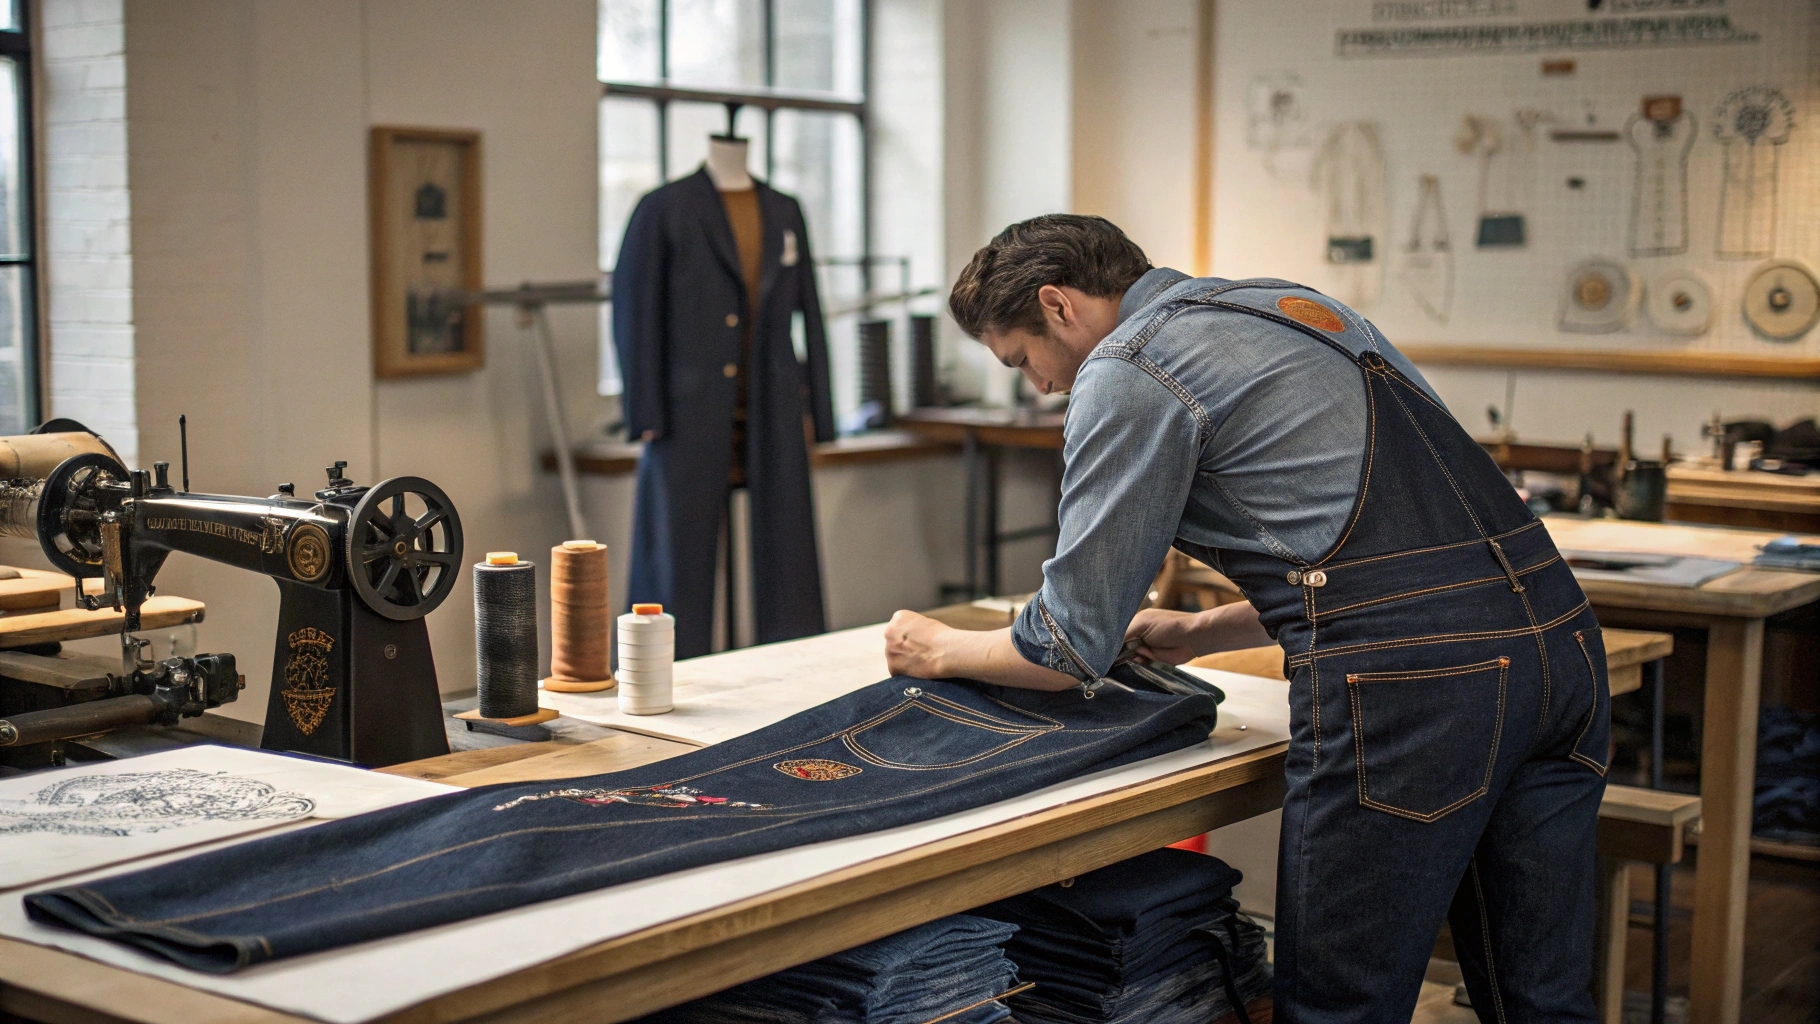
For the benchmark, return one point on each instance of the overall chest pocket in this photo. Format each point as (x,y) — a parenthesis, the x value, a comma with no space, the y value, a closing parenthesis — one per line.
(927,732)
(1426,741)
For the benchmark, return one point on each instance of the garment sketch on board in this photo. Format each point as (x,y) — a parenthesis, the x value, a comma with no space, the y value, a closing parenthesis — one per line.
(1349,173)
(1752,124)
(1507,159)
(1426,267)
(1277,125)
(1661,136)
(141,803)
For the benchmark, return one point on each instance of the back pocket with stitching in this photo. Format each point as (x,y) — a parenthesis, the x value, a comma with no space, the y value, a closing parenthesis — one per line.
(1426,741)
(1593,744)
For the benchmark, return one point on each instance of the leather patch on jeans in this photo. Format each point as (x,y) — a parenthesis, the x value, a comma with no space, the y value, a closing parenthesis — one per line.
(1310,312)
(817,770)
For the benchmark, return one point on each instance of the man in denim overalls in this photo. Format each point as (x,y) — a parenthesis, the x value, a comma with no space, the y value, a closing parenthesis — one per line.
(1447,679)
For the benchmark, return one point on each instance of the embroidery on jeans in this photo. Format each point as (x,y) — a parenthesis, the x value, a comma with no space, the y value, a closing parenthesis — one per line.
(141,803)
(817,770)
(674,797)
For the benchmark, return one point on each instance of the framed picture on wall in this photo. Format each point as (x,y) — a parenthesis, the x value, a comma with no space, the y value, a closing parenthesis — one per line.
(424,195)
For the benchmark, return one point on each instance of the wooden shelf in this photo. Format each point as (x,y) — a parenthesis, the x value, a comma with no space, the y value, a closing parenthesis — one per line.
(1696,364)
(607,459)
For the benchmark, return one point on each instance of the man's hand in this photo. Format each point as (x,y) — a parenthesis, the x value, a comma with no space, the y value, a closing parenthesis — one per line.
(915,645)
(1166,636)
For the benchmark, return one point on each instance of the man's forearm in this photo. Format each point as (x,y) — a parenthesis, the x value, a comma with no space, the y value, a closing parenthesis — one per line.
(990,657)
(1229,627)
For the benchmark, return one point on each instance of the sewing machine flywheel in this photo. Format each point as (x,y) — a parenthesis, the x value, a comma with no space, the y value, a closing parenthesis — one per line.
(404,547)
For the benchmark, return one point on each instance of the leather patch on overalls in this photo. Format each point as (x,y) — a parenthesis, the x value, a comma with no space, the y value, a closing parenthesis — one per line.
(1310,312)
(817,770)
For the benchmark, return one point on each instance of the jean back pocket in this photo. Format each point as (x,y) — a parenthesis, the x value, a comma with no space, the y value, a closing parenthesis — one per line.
(1592,745)
(1426,741)
(926,732)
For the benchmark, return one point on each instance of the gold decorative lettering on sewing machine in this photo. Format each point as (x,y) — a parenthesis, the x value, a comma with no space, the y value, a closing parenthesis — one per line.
(307,693)
(256,538)
(817,769)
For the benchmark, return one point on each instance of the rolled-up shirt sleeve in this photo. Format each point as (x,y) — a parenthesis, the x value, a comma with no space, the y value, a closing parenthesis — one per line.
(1131,446)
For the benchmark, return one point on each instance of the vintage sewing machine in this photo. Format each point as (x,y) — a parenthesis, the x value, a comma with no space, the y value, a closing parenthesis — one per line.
(357,570)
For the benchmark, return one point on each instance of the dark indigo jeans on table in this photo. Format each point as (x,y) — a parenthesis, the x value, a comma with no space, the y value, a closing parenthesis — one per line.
(893,753)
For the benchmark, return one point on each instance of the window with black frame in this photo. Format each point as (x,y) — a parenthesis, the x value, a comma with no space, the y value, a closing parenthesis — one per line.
(18,268)
(795,73)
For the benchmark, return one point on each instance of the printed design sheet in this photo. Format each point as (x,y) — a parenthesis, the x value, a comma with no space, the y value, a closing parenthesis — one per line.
(363,982)
(93,815)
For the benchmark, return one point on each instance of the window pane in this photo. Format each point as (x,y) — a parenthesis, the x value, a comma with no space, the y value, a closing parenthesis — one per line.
(12,196)
(9,15)
(628,166)
(692,123)
(818,160)
(16,383)
(629,40)
(628,169)
(718,43)
(818,46)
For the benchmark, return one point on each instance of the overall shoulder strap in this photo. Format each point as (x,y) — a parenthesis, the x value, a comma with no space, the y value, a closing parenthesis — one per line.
(1297,307)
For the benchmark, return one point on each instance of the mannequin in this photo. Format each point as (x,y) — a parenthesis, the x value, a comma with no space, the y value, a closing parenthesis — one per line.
(726,163)
(713,275)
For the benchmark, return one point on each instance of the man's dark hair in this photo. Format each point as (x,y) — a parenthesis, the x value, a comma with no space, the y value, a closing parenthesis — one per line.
(997,291)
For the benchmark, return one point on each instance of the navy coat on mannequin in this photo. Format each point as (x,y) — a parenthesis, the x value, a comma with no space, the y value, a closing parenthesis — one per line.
(678,303)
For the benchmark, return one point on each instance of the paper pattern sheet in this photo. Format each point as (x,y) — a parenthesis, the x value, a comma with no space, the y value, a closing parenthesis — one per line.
(90,816)
(362,982)
(721,696)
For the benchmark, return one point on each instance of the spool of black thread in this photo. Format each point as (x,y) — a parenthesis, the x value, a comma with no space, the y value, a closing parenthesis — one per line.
(505,636)
(922,360)
(875,367)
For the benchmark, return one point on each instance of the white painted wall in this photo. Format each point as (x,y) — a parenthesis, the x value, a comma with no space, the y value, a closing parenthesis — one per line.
(88,255)
(1134,120)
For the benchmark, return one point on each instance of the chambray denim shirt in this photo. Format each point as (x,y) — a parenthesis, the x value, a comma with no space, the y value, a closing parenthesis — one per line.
(1224,430)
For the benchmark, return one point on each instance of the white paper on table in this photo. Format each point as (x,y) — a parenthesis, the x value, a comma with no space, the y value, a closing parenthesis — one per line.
(90,816)
(359,983)
(720,696)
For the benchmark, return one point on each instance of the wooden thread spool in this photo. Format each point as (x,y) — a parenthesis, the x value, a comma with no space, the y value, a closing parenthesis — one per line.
(580,622)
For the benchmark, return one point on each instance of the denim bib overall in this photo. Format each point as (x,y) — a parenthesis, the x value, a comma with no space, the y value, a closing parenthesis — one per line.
(1448,706)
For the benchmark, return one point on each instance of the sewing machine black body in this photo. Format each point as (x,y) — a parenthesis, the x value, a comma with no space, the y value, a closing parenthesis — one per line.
(357,570)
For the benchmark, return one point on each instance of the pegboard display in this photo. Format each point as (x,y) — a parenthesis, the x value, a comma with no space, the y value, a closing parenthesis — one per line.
(1580,176)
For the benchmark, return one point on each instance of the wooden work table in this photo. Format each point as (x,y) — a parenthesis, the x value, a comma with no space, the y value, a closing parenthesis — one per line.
(1731,609)
(684,959)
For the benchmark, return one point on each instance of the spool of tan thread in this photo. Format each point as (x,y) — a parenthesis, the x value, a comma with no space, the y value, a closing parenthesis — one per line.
(580,622)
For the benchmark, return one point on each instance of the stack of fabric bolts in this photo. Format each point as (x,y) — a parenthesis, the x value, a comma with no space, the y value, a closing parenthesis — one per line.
(1157,938)
(949,969)
(647,656)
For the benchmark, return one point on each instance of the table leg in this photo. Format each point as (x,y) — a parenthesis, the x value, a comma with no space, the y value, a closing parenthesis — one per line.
(1658,945)
(1614,931)
(992,537)
(1728,769)
(970,458)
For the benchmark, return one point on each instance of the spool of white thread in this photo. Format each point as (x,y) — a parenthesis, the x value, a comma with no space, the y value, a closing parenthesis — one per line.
(646,639)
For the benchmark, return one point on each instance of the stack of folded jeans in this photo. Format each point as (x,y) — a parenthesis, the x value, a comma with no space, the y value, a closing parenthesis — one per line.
(951,968)
(1788,776)
(1157,939)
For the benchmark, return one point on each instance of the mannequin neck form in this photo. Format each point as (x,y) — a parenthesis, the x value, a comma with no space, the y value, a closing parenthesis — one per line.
(726,164)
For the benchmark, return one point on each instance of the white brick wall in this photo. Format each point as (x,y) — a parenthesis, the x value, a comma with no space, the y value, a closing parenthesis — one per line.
(87,249)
